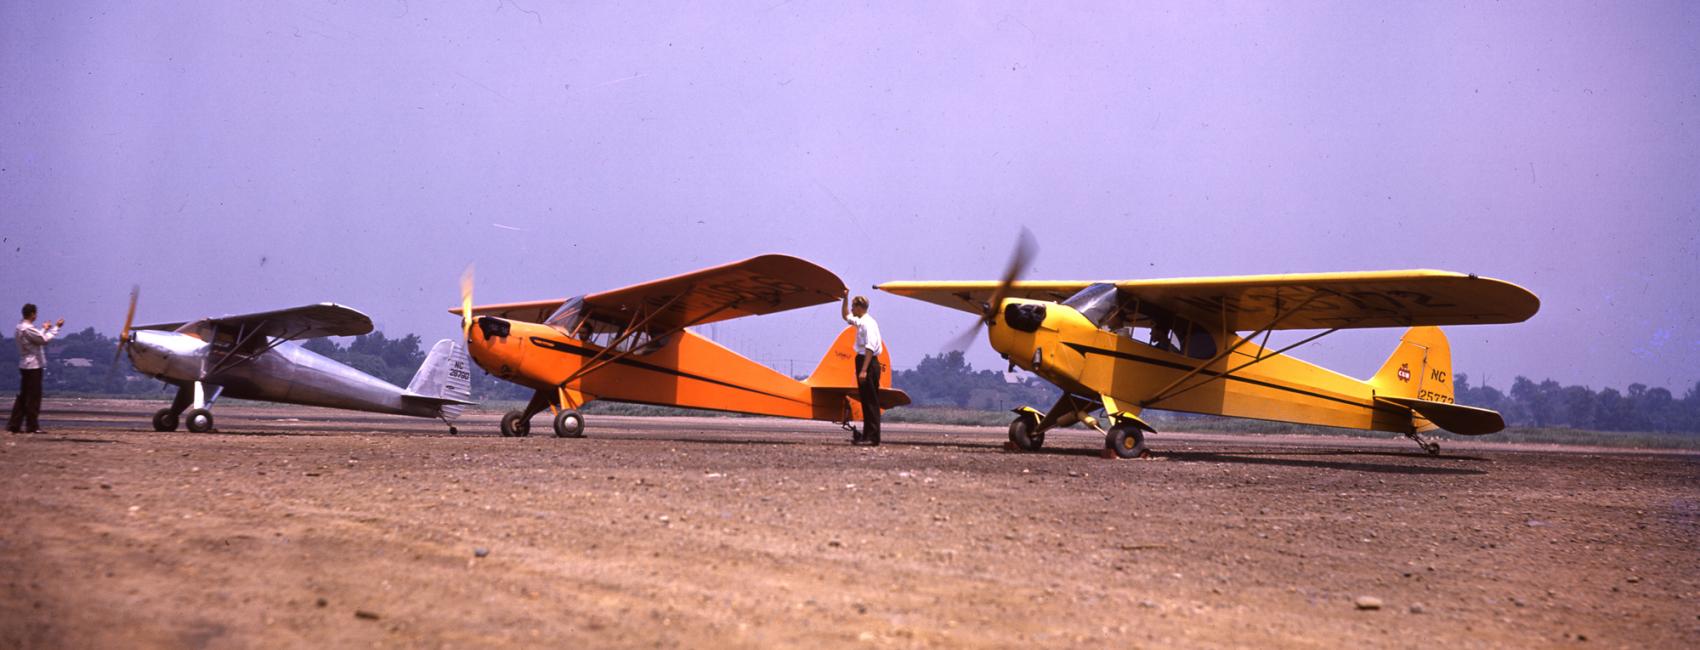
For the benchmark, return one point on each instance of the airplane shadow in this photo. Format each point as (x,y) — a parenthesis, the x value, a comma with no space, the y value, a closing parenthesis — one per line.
(1255,458)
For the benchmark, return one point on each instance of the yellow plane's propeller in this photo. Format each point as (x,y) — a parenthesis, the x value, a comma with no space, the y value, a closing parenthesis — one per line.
(1019,259)
(466,302)
(124,334)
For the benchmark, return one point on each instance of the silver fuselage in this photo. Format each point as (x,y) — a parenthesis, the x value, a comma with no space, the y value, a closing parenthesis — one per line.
(287,373)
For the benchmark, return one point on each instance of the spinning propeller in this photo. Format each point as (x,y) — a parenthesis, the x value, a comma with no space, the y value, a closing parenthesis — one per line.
(124,334)
(466,302)
(1019,259)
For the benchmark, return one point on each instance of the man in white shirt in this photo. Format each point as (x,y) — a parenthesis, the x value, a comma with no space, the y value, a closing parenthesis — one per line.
(32,357)
(868,347)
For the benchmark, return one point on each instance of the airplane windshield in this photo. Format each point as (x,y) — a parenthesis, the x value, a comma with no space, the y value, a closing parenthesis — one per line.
(568,317)
(1099,303)
(573,320)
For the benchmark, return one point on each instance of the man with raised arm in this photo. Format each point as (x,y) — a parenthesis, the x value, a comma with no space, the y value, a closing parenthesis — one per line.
(868,347)
(32,358)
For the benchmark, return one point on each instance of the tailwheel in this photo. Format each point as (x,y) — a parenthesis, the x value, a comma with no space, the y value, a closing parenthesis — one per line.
(199,420)
(515,424)
(164,420)
(1430,446)
(1023,432)
(569,424)
(1126,441)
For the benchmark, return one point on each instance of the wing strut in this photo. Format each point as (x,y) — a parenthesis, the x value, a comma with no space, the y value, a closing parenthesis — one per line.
(1169,390)
(609,354)
(244,335)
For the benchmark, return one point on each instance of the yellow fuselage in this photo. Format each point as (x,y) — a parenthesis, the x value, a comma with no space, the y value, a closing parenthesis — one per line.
(1070,351)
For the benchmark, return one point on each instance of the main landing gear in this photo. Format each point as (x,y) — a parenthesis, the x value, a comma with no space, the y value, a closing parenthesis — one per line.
(568,423)
(1124,439)
(198,419)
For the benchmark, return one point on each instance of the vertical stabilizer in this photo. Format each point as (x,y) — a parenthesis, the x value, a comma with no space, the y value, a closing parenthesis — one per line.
(1420,368)
(446,375)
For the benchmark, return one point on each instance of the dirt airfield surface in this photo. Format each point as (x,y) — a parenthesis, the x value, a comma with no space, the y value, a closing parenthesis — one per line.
(296,527)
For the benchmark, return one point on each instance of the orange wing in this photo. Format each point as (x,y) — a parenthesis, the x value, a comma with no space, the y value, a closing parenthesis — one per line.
(760,285)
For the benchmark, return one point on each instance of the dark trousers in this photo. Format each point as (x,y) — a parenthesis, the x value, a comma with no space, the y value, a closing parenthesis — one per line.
(869,390)
(27,407)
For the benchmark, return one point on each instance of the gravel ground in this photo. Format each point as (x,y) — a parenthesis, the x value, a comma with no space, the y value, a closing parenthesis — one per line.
(296,527)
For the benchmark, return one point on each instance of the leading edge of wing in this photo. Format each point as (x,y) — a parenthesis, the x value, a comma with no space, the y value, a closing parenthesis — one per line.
(967,295)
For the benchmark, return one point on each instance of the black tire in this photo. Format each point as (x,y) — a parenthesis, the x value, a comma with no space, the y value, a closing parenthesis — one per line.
(198,420)
(569,424)
(1021,433)
(515,425)
(453,431)
(164,420)
(1126,441)
(1433,448)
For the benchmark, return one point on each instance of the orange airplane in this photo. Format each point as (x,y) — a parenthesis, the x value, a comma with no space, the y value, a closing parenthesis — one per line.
(634,345)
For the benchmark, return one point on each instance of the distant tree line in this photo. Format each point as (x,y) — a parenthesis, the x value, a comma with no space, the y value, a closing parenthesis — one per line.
(1549,404)
(81,363)
(949,380)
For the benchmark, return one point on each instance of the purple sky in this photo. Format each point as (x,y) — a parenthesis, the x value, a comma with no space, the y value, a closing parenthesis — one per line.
(234,157)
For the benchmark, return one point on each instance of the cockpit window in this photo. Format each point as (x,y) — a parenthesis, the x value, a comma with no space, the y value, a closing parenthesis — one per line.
(574,320)
(568,317)
(1099,303)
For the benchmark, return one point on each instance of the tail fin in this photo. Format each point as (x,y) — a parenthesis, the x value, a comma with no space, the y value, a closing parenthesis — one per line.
(446,377)
(838,368)
(1420,368)
(1419,376)
(834,380)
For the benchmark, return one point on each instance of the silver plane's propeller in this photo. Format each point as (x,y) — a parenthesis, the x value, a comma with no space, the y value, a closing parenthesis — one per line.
(1026,247)
(124,334)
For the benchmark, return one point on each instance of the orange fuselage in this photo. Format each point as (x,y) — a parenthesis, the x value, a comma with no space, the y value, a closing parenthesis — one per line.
(687,370)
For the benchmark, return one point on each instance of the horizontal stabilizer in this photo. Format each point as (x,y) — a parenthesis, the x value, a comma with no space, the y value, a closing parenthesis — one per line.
(889,397)
(446,401)
(1457,418)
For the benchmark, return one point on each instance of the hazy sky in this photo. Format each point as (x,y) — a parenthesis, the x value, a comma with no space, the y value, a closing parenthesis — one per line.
(235,157)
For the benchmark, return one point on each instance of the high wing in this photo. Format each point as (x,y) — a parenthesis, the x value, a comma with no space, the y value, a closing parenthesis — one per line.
(1283,302)
(306,322)
(759,285)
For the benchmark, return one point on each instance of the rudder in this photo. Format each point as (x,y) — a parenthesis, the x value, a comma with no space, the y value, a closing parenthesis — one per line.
(838,368)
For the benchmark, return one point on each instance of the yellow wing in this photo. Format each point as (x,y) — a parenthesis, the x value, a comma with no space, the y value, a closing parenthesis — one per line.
(1290,301)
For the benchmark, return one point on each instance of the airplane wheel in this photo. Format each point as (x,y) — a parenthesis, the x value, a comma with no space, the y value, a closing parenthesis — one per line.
(569,424)
(453,431)
(1021,433)
(1433,448)
(164,420)
(1127,441)
(515,425)
(200,420)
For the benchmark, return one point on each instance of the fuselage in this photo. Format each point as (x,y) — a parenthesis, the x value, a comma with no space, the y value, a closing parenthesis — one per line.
(1070,351)
(685,370)
(287,373)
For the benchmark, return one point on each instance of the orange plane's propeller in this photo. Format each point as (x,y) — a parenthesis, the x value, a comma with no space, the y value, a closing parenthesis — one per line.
(1026,247)
(466,302)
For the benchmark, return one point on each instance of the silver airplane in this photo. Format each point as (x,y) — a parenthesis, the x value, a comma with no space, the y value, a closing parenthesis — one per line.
(259,357)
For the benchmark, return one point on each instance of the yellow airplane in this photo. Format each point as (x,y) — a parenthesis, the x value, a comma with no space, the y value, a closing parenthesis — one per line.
(1183,345)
